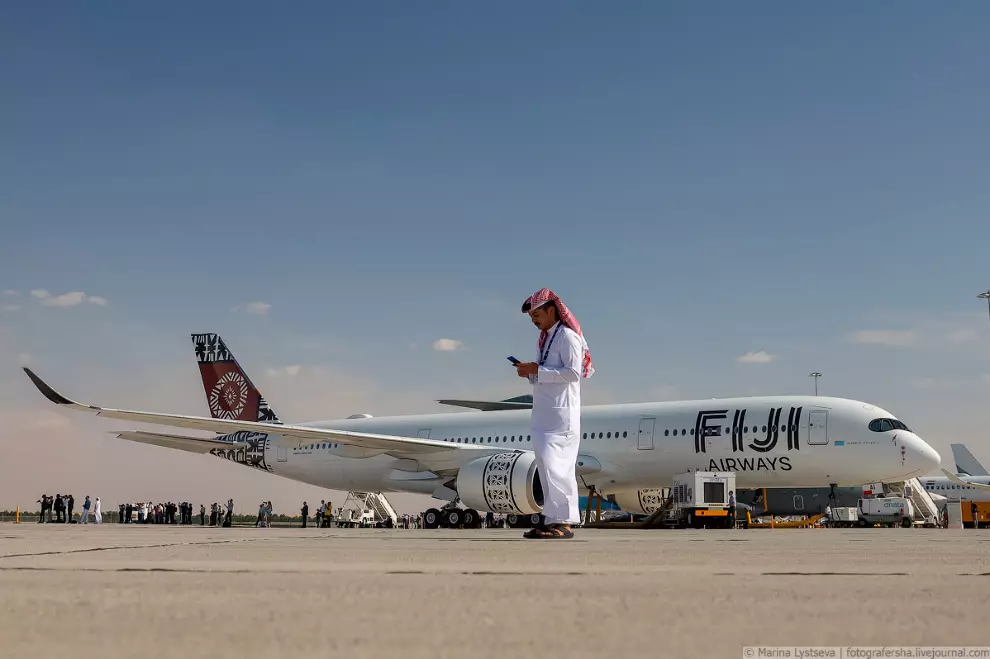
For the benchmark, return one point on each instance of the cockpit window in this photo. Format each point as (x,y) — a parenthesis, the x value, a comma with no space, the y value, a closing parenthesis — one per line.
(883,425)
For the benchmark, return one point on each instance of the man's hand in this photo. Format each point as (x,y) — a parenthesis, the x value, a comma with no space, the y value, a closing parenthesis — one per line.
(525,369)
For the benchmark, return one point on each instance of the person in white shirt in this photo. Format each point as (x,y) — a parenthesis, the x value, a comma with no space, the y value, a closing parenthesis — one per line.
(564,359)
(97,511)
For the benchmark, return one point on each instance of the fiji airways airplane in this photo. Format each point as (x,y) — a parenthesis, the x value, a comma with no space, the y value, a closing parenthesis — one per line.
(484,459)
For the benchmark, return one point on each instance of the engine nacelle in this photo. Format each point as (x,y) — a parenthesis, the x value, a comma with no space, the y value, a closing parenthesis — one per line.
(639,502)
(502,483)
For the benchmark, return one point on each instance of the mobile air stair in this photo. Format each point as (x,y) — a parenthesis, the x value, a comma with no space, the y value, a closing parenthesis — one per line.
(926,511)
(377,503)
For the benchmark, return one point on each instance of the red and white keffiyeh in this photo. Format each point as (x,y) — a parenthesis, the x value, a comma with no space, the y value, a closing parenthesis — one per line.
(541,297)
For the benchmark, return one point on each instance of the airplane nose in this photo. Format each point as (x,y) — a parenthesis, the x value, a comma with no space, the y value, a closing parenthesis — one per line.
(919,457)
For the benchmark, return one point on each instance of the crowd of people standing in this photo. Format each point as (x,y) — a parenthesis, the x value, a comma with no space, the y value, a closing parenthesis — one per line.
(58,509)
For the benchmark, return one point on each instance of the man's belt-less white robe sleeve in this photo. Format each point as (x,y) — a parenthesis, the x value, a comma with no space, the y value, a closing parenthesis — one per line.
(556,425)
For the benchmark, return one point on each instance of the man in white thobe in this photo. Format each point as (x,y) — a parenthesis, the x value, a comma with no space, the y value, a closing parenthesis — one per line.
(564,359)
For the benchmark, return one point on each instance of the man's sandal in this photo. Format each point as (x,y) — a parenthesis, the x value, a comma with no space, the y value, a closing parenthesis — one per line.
(553,532)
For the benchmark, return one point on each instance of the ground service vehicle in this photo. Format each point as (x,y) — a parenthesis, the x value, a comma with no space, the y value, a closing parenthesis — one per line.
(700,499)
(888,511)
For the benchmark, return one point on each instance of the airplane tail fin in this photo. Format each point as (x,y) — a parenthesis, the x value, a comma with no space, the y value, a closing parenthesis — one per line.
(229,391)
(966,462)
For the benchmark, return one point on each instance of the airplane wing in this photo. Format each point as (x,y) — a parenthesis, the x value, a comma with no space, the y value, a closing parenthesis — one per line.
(487,405)
(191,444)
(524,402)
(289,436)
(958,481)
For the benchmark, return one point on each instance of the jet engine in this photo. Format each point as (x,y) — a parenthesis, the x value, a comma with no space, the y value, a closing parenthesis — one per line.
(638,502)
(502,483)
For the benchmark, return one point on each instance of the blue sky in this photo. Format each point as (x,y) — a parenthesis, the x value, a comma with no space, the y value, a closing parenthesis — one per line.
(697,182)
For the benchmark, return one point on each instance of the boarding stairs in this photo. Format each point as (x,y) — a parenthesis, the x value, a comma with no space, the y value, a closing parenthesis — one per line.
(925,508)
(664,514)
(377,503)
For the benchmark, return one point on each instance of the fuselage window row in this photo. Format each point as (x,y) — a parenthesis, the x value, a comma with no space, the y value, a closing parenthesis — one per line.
(594,435)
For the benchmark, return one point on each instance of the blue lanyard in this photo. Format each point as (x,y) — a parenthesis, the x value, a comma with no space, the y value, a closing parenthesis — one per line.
(546,351)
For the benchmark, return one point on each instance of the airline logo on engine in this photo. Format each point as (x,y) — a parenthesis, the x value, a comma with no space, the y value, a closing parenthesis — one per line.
(761,438)
(251,455)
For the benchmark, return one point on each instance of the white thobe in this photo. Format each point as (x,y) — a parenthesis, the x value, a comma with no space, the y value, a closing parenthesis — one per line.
(556,423)
(98,512)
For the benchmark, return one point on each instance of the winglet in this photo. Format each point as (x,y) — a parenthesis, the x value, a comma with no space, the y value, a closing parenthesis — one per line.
(47,391)
(958,481)
(952,477)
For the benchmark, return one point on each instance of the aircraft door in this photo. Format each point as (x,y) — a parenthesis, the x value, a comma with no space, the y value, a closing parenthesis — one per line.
(424,433)
(818,427)
(281,453)
(646,429)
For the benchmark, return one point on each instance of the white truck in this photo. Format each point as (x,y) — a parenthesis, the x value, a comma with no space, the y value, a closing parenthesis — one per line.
(700,499)
(843,516)
(346,518)
(886,511)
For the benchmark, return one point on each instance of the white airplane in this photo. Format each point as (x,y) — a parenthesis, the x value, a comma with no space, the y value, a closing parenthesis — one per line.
(484,459)
(970,482)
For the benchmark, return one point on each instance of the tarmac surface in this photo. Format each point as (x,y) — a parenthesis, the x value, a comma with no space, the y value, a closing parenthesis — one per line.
(188,592)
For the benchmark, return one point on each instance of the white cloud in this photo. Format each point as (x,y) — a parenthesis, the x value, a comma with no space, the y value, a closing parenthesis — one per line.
(11,307)
(447,345)
(895,338)
(291,370)
(761,357)
(10,291)
(258,308)
(64,300)
(71,299)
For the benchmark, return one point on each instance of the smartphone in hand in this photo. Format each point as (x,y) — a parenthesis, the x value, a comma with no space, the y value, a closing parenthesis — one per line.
(513,360)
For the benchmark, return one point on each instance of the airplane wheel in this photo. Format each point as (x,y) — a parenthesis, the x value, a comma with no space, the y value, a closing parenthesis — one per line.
(471,519)
(431,519)
(534,520)
(453,518)
(511,521)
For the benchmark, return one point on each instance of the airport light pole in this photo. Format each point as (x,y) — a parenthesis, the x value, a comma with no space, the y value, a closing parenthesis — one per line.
(815,375)
(985,296)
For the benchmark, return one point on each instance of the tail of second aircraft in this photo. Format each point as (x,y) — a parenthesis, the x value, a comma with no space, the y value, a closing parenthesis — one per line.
(229,391)
(966,462)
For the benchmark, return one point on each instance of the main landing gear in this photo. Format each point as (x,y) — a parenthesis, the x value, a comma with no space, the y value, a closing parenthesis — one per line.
(522,521)
(451,517)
